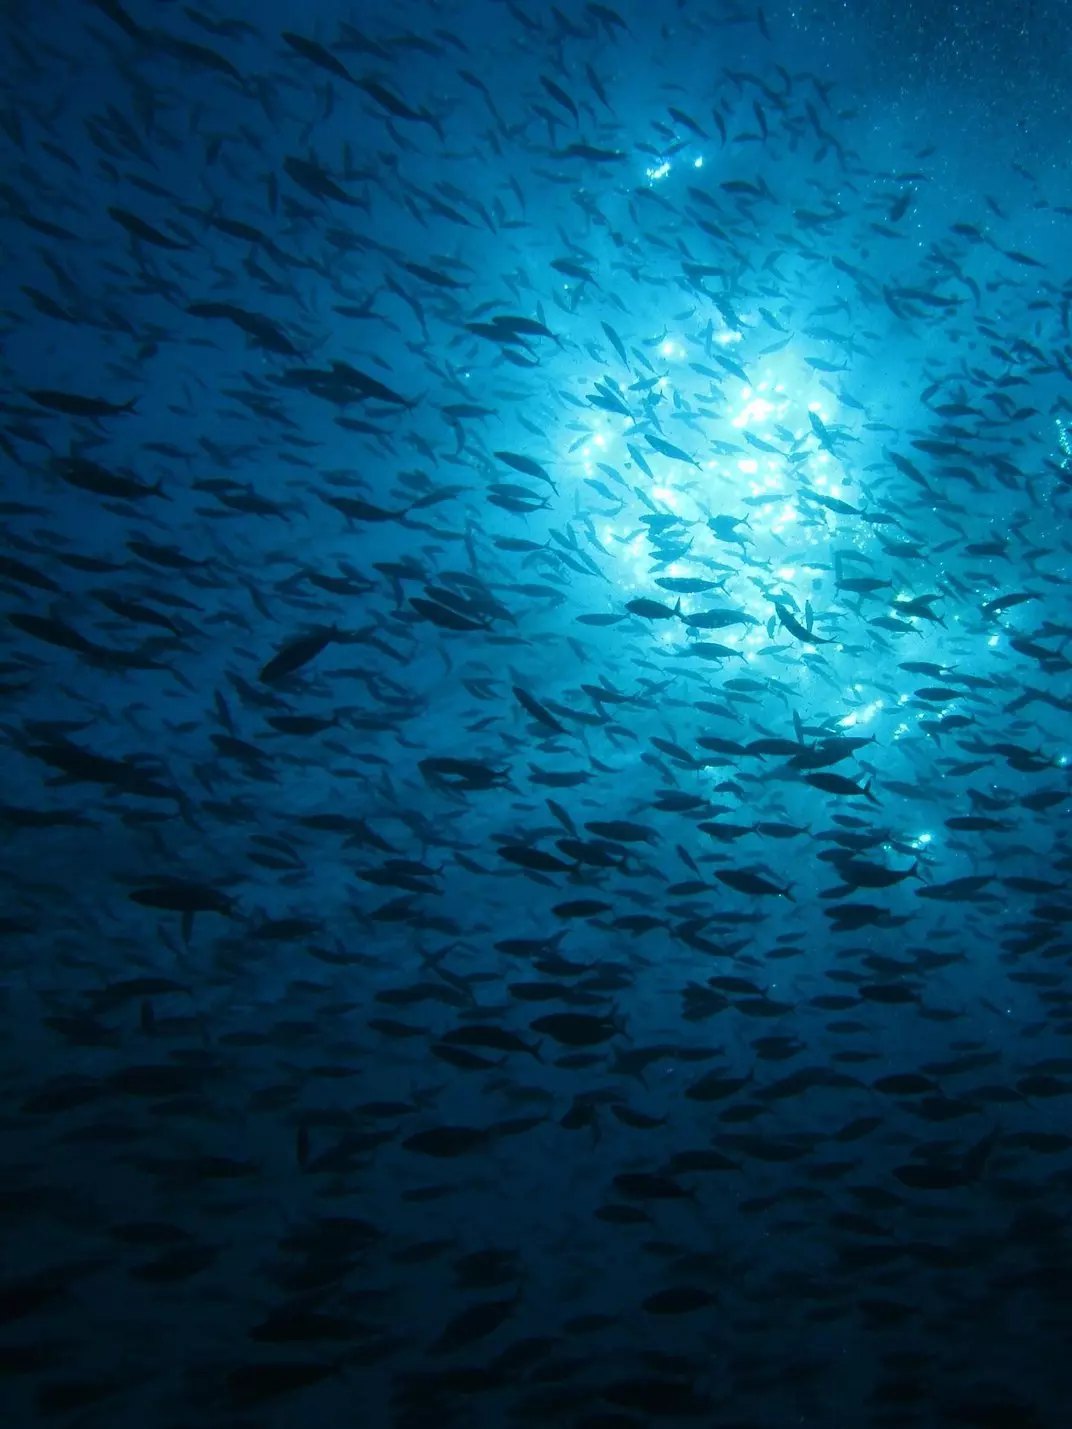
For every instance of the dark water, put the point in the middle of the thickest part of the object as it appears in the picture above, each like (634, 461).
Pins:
(535, 715)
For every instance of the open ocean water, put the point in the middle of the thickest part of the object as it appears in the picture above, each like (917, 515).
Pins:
(535, 715)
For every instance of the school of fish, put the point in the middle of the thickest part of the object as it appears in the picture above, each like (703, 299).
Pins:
(535, 723)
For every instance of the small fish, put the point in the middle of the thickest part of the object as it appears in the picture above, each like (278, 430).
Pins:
(297, 653)
(74, 405)
(145, 232)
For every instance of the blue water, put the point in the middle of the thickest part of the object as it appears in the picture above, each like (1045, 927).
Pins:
(535, 719)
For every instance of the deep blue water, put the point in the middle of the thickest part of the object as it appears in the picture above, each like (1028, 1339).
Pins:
(535, 718)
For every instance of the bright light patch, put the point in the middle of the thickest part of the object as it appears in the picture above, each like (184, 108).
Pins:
(698, 163)
(755, 409)
(993, 641)
(659, 173)
(766, 411)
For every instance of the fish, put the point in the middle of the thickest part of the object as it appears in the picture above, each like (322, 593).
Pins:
(317, 54)
(535, 677)
(295, 654)
(73, 404)
(145, 232)
(90, 476)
